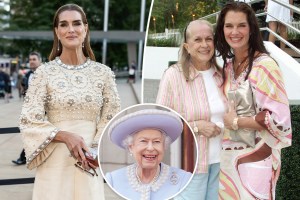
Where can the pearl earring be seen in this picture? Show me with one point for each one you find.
(83, 45)
(58, 46)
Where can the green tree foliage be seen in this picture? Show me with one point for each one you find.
(126, 16)
(3, 20)
(177, 13)
(38, 15)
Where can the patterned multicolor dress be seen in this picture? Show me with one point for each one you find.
(257, 179)
(78, 99)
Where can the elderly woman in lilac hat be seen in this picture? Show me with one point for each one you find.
(146, 134)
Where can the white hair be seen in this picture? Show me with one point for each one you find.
(129, 140)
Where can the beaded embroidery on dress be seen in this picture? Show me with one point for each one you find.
(79, 99)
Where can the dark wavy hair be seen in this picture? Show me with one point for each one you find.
(87, 50)
(255, 39)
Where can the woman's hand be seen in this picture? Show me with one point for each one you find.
(93, 163)
(229, 116)
(75, 144)
(208, 129)
(92, 158)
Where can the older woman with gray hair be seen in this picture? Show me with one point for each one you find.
(193, 88)
(146, 134)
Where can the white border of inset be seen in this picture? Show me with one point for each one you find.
(144, 106)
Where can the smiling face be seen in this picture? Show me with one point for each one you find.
(148, 148)
(200, 44)
(71, 31)
(237, 31)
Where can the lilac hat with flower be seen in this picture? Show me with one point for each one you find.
(164, 121)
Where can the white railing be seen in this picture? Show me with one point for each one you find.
(290, 26)
(168, 34)
(296, 25)
(293, 27)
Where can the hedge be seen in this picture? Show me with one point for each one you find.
(163, 42)
(288, 185)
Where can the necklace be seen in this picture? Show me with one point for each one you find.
(240, 63)
(154, 178)
(240, 67)
(145, 190)
(72, 67)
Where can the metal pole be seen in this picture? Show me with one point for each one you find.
(142, 19)
(105, 27)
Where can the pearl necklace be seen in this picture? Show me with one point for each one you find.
(72, 67)
(145, 189)
(154, 178)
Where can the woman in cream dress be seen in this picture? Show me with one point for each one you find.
(69, 101)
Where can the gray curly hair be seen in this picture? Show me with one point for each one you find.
(129, 141)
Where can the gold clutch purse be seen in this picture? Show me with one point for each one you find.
(244, 106)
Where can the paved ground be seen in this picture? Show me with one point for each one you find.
(11, 144)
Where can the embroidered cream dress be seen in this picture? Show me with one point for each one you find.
(78, 99)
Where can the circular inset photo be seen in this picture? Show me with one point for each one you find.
(147, 151)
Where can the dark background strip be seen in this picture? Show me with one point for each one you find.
(9, 130)
(16, 181)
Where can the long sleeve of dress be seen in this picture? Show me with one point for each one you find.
(165, 94)
(271, 103)
(37, 132)
(111, 105)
